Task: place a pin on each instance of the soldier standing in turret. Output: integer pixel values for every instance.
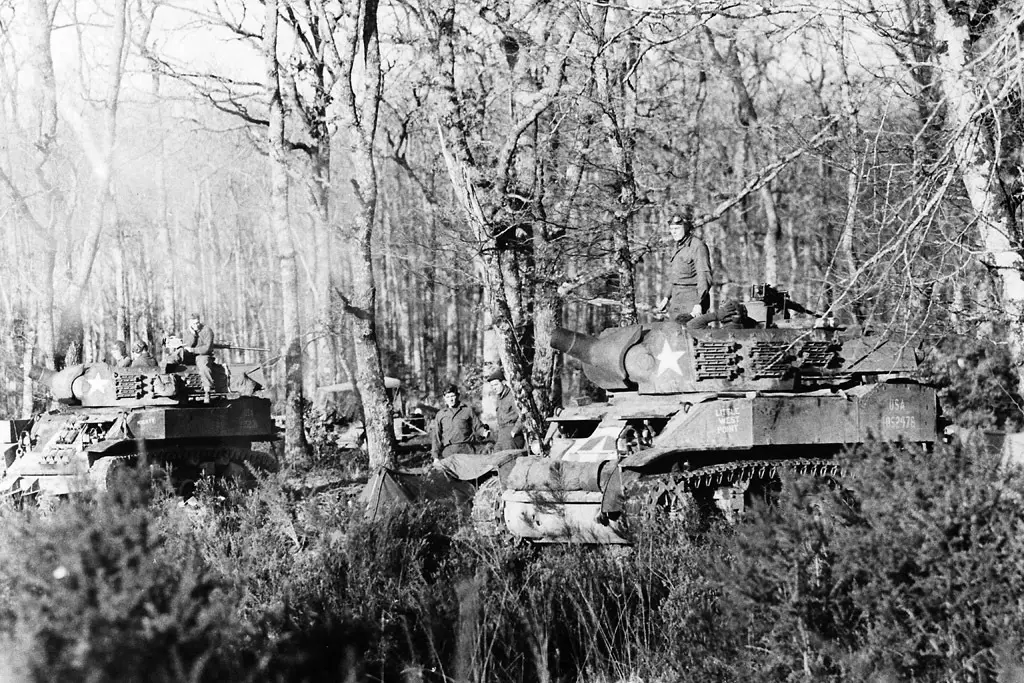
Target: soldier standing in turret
(689, 271)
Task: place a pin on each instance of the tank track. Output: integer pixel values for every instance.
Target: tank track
(202, 454)
(674, 492)
(740, 470)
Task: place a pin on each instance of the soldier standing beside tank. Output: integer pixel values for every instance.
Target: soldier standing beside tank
(508, 420)
(689, 271)
(456, 427)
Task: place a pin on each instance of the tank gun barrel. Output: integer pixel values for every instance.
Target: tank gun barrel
(233, 347)
(603, 357)
(61, 384)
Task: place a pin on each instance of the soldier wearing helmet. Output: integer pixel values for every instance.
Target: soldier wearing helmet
(689, 270)
(141, 357)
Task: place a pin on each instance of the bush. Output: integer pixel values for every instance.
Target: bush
(978, 387)
(919, 579)
(93, 593)
(912, 573)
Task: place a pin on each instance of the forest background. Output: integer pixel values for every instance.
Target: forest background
(376, 187)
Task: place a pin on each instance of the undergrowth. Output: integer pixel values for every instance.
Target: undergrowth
(913, 571)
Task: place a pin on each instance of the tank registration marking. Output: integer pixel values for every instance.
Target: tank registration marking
(728, 419)
(668, 359)
(898, 417)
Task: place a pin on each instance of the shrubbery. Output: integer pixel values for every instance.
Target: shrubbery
(913, 573)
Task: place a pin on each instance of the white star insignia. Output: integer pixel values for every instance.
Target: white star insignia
(669, 359)
(98, 384)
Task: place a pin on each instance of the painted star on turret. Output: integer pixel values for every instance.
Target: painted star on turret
(98, 384)
(669, 359)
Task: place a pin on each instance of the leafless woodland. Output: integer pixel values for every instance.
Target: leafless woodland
(368, 187)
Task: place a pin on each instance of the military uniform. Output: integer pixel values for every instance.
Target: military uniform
(689, 275)
(455, 431)
(732, 316)
(144, 360)
(508, 421)
(199, 345)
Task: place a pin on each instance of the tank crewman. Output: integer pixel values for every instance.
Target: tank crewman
(197, 348)
(732, 315)
(142, 358)
(508, 420)
(689, 271)
(456, 427)
(119, 354)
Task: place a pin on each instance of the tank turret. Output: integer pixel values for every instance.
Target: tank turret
(668, 358)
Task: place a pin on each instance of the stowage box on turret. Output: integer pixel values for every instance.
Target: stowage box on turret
(706, 413)
(109, 417)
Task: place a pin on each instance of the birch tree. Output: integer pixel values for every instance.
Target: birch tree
(359, 95)
(977, 57)
(295, 440)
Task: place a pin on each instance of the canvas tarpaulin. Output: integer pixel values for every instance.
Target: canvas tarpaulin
(456, 479)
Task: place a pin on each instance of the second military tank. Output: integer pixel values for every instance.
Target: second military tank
(107, 418)
(712, 415)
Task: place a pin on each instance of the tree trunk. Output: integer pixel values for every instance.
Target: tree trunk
(359, 110)
(468, 180)
(295, 447)
(45, 106)
(103, 168)
(975, 154)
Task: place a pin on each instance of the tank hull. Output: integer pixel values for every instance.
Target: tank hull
(710, 416)
(76, 448)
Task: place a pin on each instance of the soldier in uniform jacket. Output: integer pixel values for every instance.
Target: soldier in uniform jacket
(689, 272)
(143, 358)
(456, 427)
(119, 354)
(507, 416)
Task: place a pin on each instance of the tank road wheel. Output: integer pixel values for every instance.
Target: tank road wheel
(666, 494)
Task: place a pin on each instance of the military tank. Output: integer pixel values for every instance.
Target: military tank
(107, 418)
(712, 416)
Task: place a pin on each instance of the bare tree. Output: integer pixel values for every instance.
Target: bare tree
(295, 439)
(359, 103)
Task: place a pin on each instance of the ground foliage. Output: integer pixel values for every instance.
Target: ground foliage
(976, 380)
(911, 571)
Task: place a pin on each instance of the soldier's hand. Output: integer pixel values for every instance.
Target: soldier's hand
(662, 304)
(696, 311)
